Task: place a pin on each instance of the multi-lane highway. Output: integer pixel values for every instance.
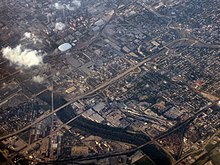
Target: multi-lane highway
(46, 115)
(152, 141)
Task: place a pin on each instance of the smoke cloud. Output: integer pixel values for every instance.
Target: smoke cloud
(32, 37)
(77, 3)
(58, 6)
(22, 57)
(38, 79)
(28, 35)
(73, 5)
(60, 26)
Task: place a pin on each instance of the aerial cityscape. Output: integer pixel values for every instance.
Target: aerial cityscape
(110, 82)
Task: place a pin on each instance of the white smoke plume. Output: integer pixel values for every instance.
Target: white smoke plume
(58, 6)
(28, 35)
(77, 3)
(38, 79)
(32, 37)
(73, 5)
(22, 57)
(60, 26)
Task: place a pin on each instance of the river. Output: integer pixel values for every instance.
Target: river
(97, 129)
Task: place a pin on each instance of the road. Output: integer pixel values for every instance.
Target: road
(183, 124)
(9, 77)
(30, 146)
(97, 35)
(149, 8)
(197, 151)
(189, 120)
(190, 42)
(46, 115)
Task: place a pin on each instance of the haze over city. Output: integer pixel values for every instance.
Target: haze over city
(109, 82)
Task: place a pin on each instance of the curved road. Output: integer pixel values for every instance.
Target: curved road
(46, 115)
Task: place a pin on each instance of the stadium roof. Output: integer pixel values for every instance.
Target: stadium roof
(64, 47)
